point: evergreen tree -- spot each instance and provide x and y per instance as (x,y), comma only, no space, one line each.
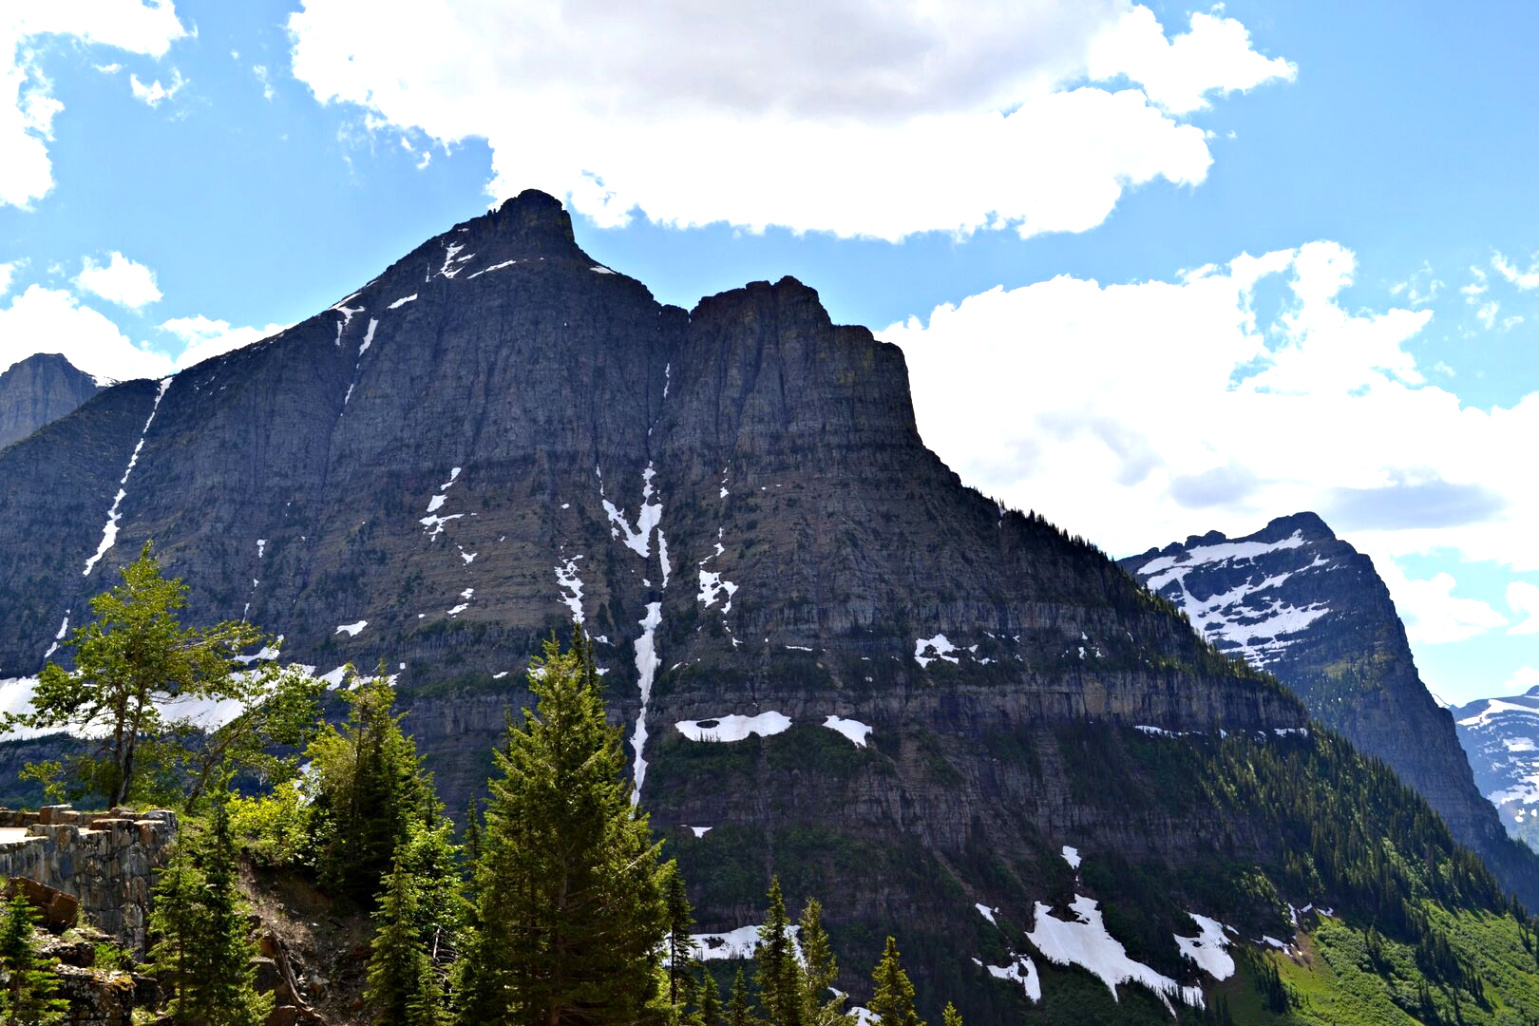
(432,860)
(779,976)
(204,950)
(370,787)
(950,1016)
(132,660)
(681,952)
(709,1010)
(403,985)
(26,986)
(568,890)
(893,1002)
(821,1004)
(739,1007)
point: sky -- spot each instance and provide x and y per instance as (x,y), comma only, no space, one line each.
(1156,269)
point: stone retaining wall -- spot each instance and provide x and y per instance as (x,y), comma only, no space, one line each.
(105,859)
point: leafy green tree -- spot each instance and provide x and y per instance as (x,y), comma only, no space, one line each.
(739,1007)
(203,949)
(369,788)
(779,976)
(893,1002)
(570,920)
(403,985)
(134,665)
(26,986)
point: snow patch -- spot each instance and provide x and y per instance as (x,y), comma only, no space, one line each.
(568,581)
(699,832)
(402,302)
(368,337)
(734,727)
(1071,856)
(855,730)
(1084,942)
(937,647)
(647,662)
(351,629)
(1022,971)
(1207,948)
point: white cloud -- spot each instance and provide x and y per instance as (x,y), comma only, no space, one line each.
(836,115)
(1487,312)
(1141,413)
(202,337)
(1526,677)
(1432,614)
(1214,56)
(260,71)
(27,108)
(120,281)
(44,320)
(1523,599)
(7,271)
(154,94)
(1524,280)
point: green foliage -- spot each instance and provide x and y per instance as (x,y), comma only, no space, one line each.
(202,952)
(273,829)
(681,919)
(739,1005)
(821,1004)
(369,788)
(49,775)
(779,976)
(893,1000)
(133,662)
(709,1011)
(26,986)
(569,911)
(404,988)
(950,1016)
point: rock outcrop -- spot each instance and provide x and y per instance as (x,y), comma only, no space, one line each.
(38,391)
(1304,605)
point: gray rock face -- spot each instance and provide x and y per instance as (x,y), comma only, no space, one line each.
(1297,601)
(1501,738)
(38,391)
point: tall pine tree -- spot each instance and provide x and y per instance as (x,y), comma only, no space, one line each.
(681,950)
(403,984)
(779,975)
(569,917)
(893,1002)
(708,1012)
(739,1006)
(203,950)
(821,1004)
(26,986)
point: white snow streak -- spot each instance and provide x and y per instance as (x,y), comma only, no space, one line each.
(402,302)
(351,629)
(855,730)
(734,727)
(1207,948)
(1084,942)
(568,581)
(646,669)
(110,531)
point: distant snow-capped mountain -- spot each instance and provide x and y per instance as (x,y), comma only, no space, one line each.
(1501,736)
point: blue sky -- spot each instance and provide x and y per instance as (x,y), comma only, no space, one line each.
(254,162)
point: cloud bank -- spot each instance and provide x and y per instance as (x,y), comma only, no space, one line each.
(838,116)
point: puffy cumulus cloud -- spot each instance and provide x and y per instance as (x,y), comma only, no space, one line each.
(27,107)
(202,337)
(7,272)
(1145,412)
(839,115)
(120,280)
(1432,613)
(1179,74)
(1523,599)
(44,320)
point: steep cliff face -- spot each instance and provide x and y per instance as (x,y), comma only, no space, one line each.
(830,658)
(1501,737)
(1300,603)
(38,391)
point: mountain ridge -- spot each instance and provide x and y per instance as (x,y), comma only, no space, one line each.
(39,390)
(1304,605)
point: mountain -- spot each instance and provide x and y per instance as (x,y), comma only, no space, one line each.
(1300,603)
(949,720)
(39,390)
(1501,737)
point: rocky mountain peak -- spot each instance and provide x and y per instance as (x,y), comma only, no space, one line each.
(1297,601)
(38,390)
